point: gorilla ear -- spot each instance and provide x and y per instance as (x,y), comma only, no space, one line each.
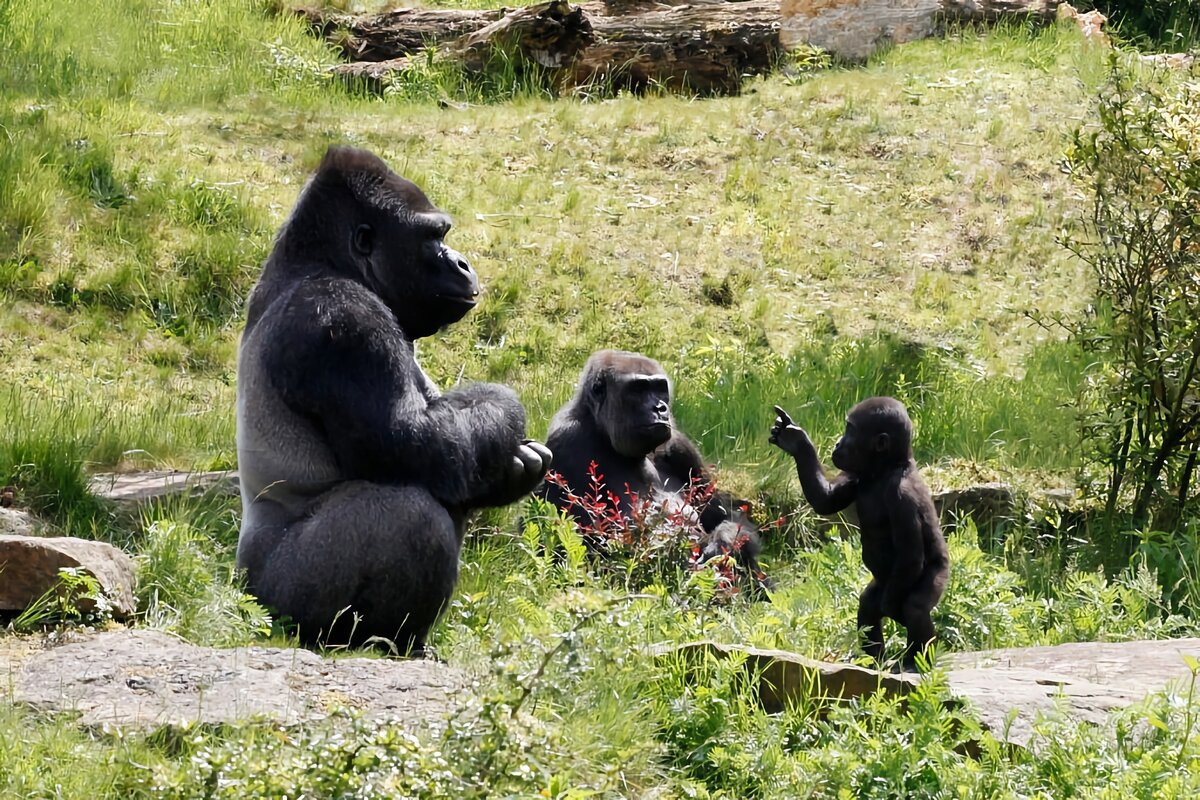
(598,388)
(882,443)
(364,240)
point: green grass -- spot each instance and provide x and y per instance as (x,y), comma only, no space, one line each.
(819,239)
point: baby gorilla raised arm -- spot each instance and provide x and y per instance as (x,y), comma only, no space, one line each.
(902,542)
(357,474)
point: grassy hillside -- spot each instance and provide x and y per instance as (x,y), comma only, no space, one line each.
(823,237)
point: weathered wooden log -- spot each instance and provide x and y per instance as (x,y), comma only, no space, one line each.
(708,48)
(995,10)
(399,33)
(550,35)
(702,46)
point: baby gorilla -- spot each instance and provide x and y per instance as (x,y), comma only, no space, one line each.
(902,542)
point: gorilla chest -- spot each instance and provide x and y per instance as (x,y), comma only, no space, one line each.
(874,505)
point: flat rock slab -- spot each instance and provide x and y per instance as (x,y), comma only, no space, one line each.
(146,679)
(135,488)
(1084,681)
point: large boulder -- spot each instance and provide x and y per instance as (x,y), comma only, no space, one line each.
(145,679)
(1009,689)
(854,29)
(29,567)
(985,503)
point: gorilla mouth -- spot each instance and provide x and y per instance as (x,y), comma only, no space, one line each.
(468,300)
(657,430)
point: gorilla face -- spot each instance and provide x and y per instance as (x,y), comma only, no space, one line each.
(636,413)
(878,434)
(399,246)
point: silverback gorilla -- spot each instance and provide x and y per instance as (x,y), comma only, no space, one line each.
(357,474)
(620,418)
(902,542)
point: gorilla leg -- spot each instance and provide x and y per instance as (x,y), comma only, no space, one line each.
(915,613)
(367,560)
(870,619)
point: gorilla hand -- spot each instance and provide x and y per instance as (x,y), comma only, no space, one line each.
(786,435)
(530,464)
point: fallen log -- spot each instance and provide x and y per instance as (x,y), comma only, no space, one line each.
(707,48)
(702,46)
(395,34)
(1042,11)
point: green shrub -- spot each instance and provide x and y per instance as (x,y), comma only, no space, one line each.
(1140,164)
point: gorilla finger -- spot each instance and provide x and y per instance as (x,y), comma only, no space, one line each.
(530,460)
(544,452)
(784,418)
(518,468)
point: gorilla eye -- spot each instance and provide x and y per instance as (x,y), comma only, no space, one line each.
(364,239)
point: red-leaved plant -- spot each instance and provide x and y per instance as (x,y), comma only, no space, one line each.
(654,536)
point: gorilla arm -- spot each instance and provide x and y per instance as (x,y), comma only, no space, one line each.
(825,496)
(353,375)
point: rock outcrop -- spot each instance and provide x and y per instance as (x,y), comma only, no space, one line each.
(145,679)
(1006,689)
(136,488)
(854,29)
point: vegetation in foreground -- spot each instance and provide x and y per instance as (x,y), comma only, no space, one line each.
(822,238)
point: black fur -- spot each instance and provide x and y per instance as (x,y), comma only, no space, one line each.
(357,474)
(902,542)
(620,418)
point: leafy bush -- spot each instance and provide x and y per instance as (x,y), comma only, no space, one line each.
(76,597)
(1141,164)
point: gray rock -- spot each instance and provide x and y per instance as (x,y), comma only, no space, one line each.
(145,679)
(854,29)
(19,523)
(785,676)
(29,568)
(985,503)
(136,488)
(1086,680)
(1006,689)
(1061,499)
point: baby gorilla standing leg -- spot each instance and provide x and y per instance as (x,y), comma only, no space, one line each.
(870,620)
(915,613)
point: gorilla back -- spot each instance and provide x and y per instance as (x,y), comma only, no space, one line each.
(357,474)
